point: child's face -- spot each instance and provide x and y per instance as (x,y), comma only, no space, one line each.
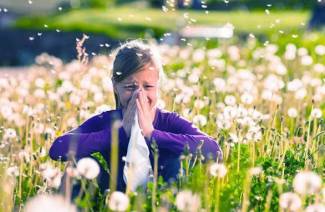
(146,79)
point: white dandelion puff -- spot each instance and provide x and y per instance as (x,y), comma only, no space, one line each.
(88,168)
(118,201)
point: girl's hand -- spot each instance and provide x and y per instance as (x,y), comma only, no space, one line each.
(146,114)
(129,113)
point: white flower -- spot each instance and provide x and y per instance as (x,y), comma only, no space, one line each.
(218,170)
(187,201)
(292,112)
(294,85)
(51,175)
(316,208)
(88,168)
(320,50)
(102,108)
(316,113)
(234,138)
(307,182)
(306,60)
(9,134)
(118,201)
(256,171)
(49,203)
(220,84)
(300,94)
(247,98)
(200,120)
(199,104)
(290,201)
(12,171)
(230,100)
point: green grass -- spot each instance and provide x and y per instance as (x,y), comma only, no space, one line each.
(135,23)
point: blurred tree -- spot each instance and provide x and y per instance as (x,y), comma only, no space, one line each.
(317,19)
(96,3)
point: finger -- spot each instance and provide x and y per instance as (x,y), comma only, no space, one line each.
(143,101)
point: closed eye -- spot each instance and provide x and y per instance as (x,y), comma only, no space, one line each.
(130,87)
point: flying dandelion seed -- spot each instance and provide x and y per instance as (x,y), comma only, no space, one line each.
(57,30)
(206,12)
(39,34)
(251,35)
(31,38)
(93,54)
(164,9)
(30,2)
(107,45)
(294,36)
(101,45)
(281,31)
(5,10)
(302,24)
(119,19)
(226,1)
(46,26)
(204,6)
(60,8)
(267,12)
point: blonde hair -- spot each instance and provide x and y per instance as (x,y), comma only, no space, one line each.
(130,58)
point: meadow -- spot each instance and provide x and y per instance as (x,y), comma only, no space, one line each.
(262,100)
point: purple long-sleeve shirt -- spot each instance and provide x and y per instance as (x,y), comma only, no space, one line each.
(171,133)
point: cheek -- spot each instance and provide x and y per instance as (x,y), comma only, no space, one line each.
(125,97)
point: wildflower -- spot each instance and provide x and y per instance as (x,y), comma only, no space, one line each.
(88,168)
(294,85)
(12,171)
(307,182)
(9,134)
(118,201)
(256,171)
(306,60)
(187,201)
(301,93)
(51,175)
(199,104)
(200,120)
(315,208)
(316,113)
(247,98)
(320,50)
(292,112)
(218,170)
(49,203)
(290,201)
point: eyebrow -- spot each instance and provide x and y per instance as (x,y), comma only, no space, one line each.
(135,83)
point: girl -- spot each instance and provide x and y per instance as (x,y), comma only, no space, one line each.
(136,74)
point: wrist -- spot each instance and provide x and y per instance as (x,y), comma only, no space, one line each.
(148,133)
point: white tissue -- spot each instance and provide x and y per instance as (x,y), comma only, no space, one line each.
(137,162)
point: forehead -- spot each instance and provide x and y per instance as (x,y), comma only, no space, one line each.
(148,73)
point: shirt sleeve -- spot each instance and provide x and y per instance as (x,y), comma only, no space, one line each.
(181,132)
(92,136)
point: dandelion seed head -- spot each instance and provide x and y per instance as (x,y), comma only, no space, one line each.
(290,201)
(48,202)
(118,201)
(88,168)
(187,201)
(218,170)
(307,182)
